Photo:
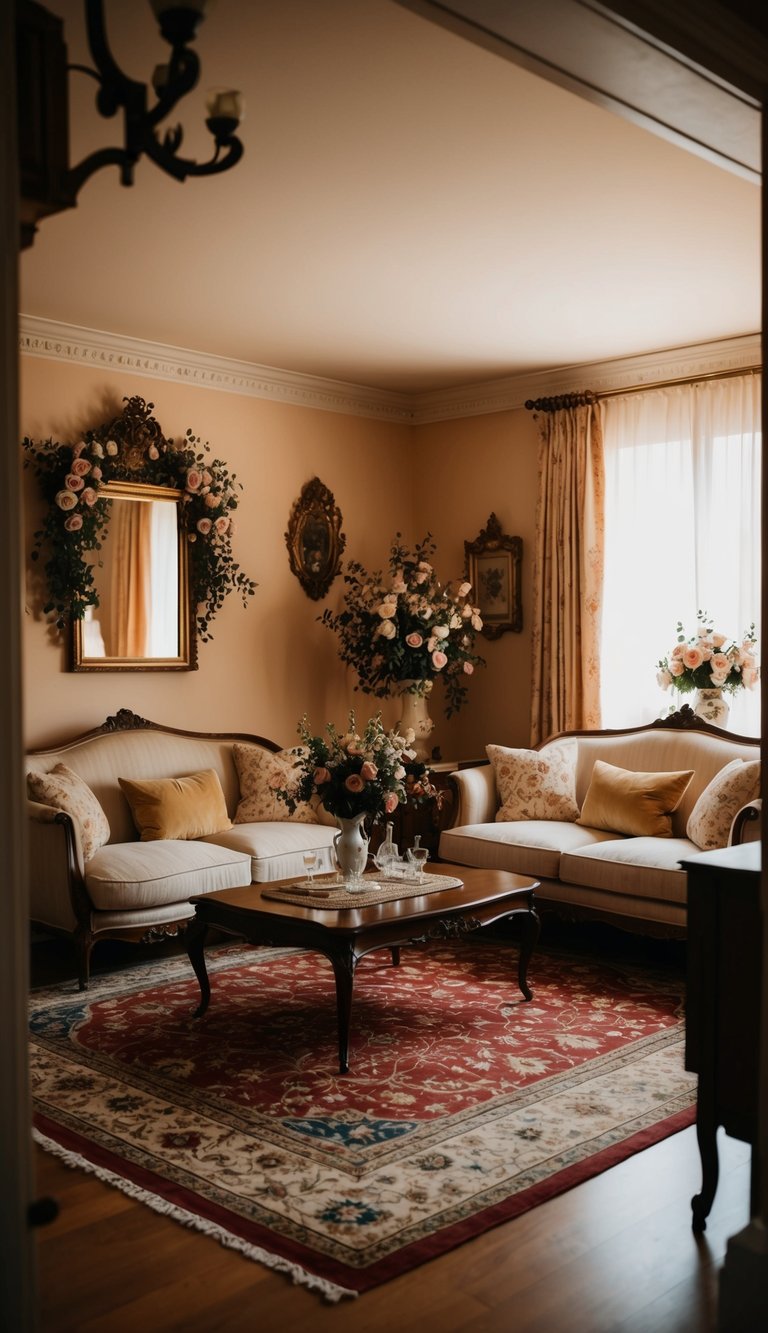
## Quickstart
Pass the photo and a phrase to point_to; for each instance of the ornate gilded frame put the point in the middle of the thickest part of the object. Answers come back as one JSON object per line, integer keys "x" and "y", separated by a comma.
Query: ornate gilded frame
{"x": 493, "y": 562}
{"x": 314, "y": 539}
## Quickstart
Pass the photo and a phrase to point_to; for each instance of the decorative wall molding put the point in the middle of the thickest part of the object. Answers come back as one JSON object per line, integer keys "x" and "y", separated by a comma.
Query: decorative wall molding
{"x": 133, "y": 356}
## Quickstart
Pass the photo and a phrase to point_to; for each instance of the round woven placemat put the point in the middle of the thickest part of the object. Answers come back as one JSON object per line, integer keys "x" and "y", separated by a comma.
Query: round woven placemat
{"x": 330, "y": 894}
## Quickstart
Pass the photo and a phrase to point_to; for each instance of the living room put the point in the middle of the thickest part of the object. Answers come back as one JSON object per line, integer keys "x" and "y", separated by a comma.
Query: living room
{"x": 434, "y": 451}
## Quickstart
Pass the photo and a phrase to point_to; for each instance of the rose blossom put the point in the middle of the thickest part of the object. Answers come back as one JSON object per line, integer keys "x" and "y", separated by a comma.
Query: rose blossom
{"x": 152, "y": 452}
{"x": 96, "y": 474}
{"x": 369, "y": 771}
{"x": 399, "y": 773}
{"x": 212, "y": 501}
{"x": 432, "y": 644}
{"x": 97, "y": 450}
{"x": 440, "y": 631}
{"x": 414, "y": 640}
{"x": 387, "y": 629}
{"x": 320, "y": 776}
{"x": 221, "y": 524}
{"x": 73, "y": 483}
{"x": 439, "y": 660}
{"x": 391, "y": 802}
{"x": 387, "y": 610}
{"x": 66, "y": 499}
{"x": 73, "y": 522}
{"x": 89, "y": 496}
{"x": 455, "y": 621}
{"x": 693, "y": 658}
{"x": 111, "y": 448}
{"x": 398, "y": 585}
{"x": 420, "y": 577}
{"x": 194, "y": 479}
{"x": 466, "y": 611}
{"x": 678, "y": 650}
{"x": 204, "y": 525}
{"x": 720, "y": 664}
{"x": 718, "y": 640}
{"x": 207, "y": 478}
{"x": 424, "y": 564}
{"x": 354, "y": 782}
{"x": 77, "y": 449}
{"x": 718, "y": 679}
{"x": 81, "y": 467}
{"x": 468, "y": 668}
{"x": 664, "y": 679}
{"x": 676, "y": 667}
{"x": 750, "y": 677}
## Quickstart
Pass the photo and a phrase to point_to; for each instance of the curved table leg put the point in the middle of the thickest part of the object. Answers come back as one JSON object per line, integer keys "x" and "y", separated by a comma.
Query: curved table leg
{"x": 344, "y": 963}
{"x": 531, "y": 929}
{"x": 706, "y": 1134}
{"x": 194, "y": 942}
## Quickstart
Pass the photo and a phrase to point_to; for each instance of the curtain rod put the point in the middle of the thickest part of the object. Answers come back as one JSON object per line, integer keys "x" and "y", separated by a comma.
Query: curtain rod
{"x": 562, "y": 400}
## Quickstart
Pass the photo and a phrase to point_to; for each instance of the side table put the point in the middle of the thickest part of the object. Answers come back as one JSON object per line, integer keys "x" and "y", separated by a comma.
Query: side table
{"x": 428, "y": 818}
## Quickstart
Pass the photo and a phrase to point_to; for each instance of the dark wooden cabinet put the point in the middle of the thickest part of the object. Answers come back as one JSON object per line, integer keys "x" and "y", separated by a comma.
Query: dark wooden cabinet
{"x": 722, "y": 1033}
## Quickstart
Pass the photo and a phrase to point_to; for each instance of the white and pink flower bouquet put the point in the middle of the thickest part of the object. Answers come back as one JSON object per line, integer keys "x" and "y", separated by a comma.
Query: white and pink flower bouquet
{"x": 356, "y": 772}
{"x": 708, "y": 660}
{"x": 132, "y": 447}
{"x": 404, "y": 625}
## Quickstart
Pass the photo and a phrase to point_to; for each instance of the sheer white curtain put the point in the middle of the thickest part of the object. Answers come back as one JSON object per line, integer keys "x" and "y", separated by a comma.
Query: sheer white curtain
{"x": 682, "y": 534}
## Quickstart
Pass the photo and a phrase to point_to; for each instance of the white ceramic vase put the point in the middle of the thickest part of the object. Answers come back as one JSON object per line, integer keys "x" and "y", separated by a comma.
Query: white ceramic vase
{"x": 414, "y": 714}
{"x": 351, "y": 847}
{"x": 711, "y": 706}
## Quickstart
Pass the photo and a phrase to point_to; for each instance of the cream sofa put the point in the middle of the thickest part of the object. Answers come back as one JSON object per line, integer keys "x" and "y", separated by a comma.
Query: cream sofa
{"x": 137, "y": 890}
{"x": 634, "y": 881}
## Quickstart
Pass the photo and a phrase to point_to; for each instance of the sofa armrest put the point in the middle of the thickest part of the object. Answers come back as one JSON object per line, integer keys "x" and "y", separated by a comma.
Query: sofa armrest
{"x": 477, "y": 801}
{"x": 57, "y": 894}
{"x": 746, "y": 826}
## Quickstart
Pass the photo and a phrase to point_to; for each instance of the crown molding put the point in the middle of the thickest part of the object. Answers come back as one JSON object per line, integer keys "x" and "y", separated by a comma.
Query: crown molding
{"x": 134, "y": 356}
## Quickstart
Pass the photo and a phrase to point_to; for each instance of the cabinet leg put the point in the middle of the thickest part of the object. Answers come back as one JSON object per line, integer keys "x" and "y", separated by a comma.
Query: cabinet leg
{"x": 706, "y": 1134}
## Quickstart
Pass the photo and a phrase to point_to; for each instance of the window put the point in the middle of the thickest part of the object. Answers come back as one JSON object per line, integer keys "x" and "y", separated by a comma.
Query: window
{"x": 682, "y": 535}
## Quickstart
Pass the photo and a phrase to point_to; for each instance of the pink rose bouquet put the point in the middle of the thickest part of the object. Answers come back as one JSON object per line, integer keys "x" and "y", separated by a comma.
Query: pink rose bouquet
{"x": 406, "y": 626}
{"x": 708, "y": 661}
{"x": 356, "y": 772}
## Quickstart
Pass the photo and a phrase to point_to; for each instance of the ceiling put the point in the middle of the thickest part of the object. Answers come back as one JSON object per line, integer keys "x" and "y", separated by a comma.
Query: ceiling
{"x": 412, "y": 212}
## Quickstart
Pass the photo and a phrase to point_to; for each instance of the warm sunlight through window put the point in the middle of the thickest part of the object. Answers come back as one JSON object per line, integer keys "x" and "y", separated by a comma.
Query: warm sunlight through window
{"x": 682, "y": 535}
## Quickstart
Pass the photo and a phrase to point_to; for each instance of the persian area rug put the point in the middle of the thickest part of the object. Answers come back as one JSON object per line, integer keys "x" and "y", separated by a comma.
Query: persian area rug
{"x": 464, "y": 1106}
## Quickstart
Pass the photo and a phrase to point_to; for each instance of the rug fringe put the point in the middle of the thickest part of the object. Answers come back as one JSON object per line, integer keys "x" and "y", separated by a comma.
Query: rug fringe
{"x": 298, "y": 1275}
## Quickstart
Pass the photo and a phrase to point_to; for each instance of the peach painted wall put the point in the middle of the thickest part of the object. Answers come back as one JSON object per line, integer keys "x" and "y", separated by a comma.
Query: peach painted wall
{"x": 462, "y": 471}
{"x": 271, "y": 661}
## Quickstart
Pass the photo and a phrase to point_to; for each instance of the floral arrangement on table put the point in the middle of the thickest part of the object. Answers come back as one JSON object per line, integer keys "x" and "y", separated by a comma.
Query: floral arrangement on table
{"x": 132, "y": 448}
{"x": 356, "y": 772}
{"x": 708, "y": 661}
{"x": 406, "y": 626}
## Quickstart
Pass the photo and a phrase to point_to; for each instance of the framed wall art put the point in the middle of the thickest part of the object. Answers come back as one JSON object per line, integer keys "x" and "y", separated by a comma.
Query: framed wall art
{"x": 314, "y": 539}
{"x": 493, "y": 568}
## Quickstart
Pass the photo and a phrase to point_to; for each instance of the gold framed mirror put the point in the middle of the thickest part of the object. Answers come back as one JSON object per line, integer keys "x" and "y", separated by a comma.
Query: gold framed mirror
{"x": 140, "y": 573}
{"x": 314, "y": 539}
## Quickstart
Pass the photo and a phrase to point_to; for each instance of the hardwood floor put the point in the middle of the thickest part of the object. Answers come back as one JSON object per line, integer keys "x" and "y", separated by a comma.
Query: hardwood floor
{"x": 615, "y": 1255}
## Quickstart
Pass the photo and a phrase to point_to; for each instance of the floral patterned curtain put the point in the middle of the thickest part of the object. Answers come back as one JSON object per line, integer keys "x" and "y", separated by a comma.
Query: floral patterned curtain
{"x": 568, "y": 570}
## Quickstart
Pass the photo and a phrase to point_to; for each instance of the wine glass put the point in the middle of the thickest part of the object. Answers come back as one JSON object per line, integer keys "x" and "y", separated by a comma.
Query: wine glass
{"x": 310, "y": 861}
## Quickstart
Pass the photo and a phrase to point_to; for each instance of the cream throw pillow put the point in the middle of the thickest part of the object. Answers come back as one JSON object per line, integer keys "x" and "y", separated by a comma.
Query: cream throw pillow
{"x": 260, "y": 772}
{"x": 62, "y": 788}
{"x": 709, "y": 823}
{"x": 536, "y": 784}
{"x": 189, "y": 807}
{"x": 638, "y": 804}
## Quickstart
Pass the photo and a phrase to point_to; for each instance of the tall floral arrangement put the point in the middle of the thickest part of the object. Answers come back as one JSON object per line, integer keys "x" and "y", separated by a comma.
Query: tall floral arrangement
{"x": 708, "y": 660}
{"x": 404, "y": 625}
{"x": 133, "y": 448}
{"x": 355, "y": 772}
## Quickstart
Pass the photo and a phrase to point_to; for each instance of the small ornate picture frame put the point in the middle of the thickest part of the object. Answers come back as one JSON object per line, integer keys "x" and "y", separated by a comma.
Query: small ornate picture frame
{"x": 314, "y": 539}
{"x": 493, "y": 568}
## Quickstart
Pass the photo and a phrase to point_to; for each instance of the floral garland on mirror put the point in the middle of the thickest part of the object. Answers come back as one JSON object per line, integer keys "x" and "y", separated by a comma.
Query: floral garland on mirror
{"x": 132, "y": 447}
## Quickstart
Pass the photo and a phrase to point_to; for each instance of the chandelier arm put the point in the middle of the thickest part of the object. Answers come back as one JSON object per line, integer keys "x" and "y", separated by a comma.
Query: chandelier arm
{"x": 75, "y": 178}
{"x": 181, "y": 167}
{"x": 183, "y": 74}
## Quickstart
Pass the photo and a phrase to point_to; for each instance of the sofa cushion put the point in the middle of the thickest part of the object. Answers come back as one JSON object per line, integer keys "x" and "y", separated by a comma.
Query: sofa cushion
{"x": 138, "y": 875}
{"x": 638, "y": 804}
{"x": 709, "y": 824}
{"x": 261, "y": 772}
{"x": 187, "y": 807}
{"x": 526, "y": 847}
{"x": 66, "y": 791}
{"x": 645, "y": 867}
{"x": 536, "y": 784}
{"x": 276, "y": 847}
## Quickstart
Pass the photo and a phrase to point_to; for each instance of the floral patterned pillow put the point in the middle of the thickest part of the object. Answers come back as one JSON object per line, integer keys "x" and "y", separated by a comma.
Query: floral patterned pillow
{"x": 260, "y": 772}
{"x": 709, "y": 823}
{"x": 536, "y": 784}
{"x": 66, "y": 791}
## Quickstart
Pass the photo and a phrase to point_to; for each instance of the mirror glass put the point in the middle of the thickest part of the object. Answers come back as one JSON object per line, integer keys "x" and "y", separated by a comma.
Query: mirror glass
{"x": 142, "y": 622}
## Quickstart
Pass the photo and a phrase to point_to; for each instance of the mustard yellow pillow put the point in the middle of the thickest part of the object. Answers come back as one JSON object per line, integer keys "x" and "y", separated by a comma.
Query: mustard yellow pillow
{"x": 639, "y": 804}
{"x": 188, "y": 807}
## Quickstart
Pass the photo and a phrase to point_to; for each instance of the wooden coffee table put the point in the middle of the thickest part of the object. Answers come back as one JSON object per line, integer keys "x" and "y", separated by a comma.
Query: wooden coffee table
{"x": 345, "y": 935}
